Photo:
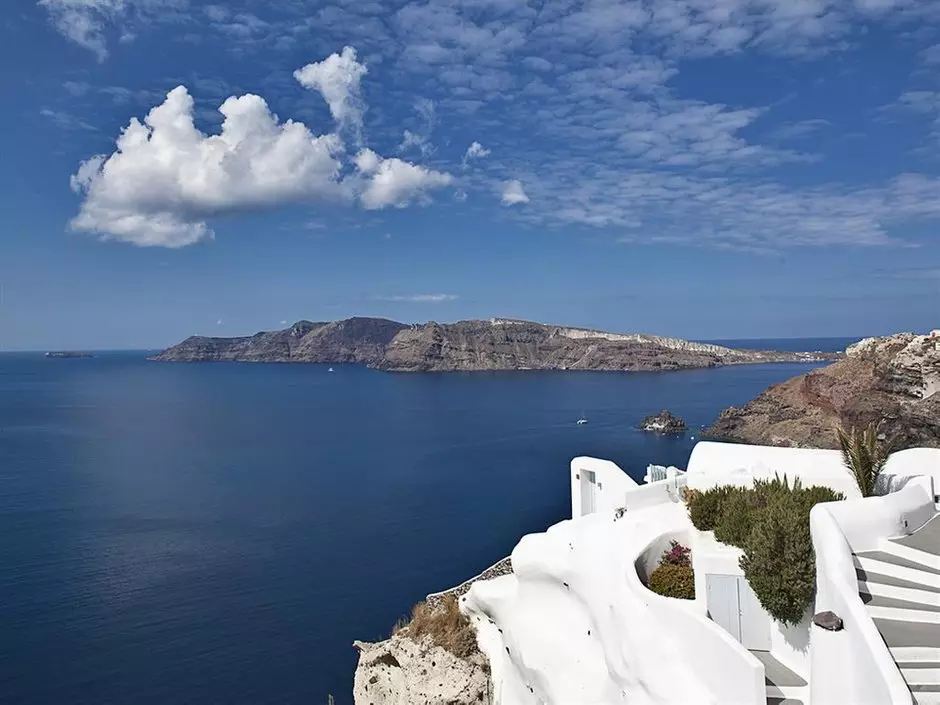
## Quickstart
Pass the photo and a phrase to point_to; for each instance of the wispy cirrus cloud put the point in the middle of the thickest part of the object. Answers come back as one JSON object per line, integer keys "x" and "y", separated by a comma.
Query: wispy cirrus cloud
{"x": 419, "y": 298}
{"x": 582, "y": 103}
{"x": 801, "y": 129}
{"x": 67, "y": 121}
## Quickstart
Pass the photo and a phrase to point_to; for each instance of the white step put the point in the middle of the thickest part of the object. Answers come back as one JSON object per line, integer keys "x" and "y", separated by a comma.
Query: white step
{"x": 932, "y": 698}
{"x": 872, "y": 565}
{"x": 898, "y": 614}
{"x": 912, "y": 554}
{"x": 915, "y": 654}
{"x": 922, "y": 676}
{"x": 876, "y": 589}
{"x": 789, "y": 692}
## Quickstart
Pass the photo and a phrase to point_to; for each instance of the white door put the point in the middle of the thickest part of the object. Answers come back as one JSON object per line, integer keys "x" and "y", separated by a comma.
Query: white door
{"x": 733, "y": 605}
{"x": 588, "y": 483}
{"x": 721, "y": 594}
{"x": 755, "y": 622}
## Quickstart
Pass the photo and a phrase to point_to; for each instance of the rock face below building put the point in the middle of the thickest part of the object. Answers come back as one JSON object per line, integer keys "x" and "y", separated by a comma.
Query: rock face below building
{"x": 497, "y": 344}
{"x": 663, "y": 422}
{"x": 895, "y": 378}
{"x": 401, "y": 671}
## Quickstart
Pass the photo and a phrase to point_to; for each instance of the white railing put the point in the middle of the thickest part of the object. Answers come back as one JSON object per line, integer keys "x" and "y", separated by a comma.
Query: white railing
{"x": 655, "y": 473}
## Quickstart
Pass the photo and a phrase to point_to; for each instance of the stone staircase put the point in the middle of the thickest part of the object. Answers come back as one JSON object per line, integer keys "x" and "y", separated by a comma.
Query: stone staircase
{"x": 900, "y": 585}
{"x": 784, "y": 687}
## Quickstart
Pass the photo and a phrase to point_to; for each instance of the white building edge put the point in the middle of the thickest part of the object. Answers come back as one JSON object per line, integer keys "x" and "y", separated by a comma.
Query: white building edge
{"x": 575, "y": 625}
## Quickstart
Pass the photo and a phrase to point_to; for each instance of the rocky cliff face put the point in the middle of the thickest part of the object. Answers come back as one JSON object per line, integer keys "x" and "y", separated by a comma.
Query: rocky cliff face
{"x": 404, "y": 671}
{"x": 895, "y": 378}
{"x": 470, "y": 346}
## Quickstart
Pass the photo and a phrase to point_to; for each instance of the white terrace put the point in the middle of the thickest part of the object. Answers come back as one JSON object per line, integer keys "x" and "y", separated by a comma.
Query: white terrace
{"x": 575, "y": 625}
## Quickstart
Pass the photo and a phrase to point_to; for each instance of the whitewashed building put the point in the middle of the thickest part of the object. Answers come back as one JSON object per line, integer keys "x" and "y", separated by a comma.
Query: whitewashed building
{"x": 575, "y": 624}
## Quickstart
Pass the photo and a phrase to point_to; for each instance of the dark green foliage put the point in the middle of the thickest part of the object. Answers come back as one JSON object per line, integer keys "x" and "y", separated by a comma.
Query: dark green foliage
{"x": 673, "y": 581}
{"x": 770, "y": 523}
{"x": 705, "y": 507}
{"x": 778, "y": 559}
{"x": 811, "y": 496}
{"x": 739, "y": 512}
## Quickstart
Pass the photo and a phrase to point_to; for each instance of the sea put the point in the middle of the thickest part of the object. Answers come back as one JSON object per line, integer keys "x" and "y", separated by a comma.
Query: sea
{"x": 222, "y": 532}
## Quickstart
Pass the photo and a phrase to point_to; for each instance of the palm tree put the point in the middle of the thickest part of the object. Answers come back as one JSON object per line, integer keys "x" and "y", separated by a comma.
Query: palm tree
{"x": 864, "y": 454}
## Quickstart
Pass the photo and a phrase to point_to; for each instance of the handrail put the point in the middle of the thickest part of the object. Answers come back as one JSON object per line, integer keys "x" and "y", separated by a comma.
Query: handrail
{"x": 852, "y": 665}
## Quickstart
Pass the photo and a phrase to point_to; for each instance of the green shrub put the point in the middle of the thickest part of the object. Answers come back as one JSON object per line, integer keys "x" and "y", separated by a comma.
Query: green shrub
{"x": 673, "y": 581}
{"x": 778, "y": 559}
{"x": 770, "y": 523}
{"x": 738, "y": 514}
{"x": 768, "y": 490}
{"x": 705, "y": 507}
{"x": 811, "y": 496}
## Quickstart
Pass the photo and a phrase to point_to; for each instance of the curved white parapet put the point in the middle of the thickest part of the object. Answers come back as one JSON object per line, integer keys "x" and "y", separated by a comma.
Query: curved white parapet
{"x": 854, "y": 665}
{"x": 573, "y": 625}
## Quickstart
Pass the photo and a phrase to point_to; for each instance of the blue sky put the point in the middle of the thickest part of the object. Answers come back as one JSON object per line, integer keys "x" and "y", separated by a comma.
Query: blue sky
{"x": 698, "y": 168}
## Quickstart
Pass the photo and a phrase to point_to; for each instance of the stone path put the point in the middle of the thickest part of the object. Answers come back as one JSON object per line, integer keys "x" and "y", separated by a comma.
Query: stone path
{"x": 503, "y": 567}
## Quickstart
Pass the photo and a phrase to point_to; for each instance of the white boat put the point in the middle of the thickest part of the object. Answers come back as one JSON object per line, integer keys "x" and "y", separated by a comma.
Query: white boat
{"x": 330, "y": 370}
{"x": 582, "y": 421}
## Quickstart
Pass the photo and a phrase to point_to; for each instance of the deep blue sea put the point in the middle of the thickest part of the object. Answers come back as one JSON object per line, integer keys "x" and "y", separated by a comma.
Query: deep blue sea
{"x": 221, "y": 533}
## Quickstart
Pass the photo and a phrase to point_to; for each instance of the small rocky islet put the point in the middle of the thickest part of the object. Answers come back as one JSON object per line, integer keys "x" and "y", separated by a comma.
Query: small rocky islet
{"x": 664, "y": 422}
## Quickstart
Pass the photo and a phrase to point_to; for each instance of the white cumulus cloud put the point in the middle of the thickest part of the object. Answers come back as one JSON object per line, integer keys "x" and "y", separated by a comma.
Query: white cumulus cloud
{"x": 513, "y": 193}
{"x": 166, "y": 177}
{"x": 337, "y": 78}
{"x": 475, "y": 151}
{"x": 393, "y": 182}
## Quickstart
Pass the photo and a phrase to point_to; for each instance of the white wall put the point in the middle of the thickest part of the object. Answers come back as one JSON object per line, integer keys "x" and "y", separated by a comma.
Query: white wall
{"x": 854, "y": 665}
{"x": 573, "y": 624}
{"x": 713, "y": 464}
{"x": 611, "y": 487}
{"x": 729, "y": 670}
{"x": 790, "y": 645}
{"x": 913, "y": 462}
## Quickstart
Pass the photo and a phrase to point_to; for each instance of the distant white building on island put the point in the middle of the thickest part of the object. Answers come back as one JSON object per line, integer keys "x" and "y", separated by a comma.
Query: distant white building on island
{"x": 575, "y": 624}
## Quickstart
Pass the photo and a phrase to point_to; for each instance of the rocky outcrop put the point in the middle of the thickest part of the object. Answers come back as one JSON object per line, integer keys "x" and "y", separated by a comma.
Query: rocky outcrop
{"x": 497, "y": 344}
{"x": 894, "y": 378}
{"x": 663, "y": 422}
{"x": 403, "y": 671}
{"x": 408, "y": 670}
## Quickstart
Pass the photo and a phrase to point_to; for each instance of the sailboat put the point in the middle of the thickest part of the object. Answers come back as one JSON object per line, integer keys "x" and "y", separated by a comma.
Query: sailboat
{"x": 582, "y": 419}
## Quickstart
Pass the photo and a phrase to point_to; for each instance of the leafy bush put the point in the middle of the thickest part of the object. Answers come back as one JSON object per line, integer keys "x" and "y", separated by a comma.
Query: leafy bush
{"x": 739, "y": 512}
{"x": 770, "y": 523}
{"x": 673, "y": 581}
{"x": 705, "y": 507}
{"x": 865, "y": 455}
{"x": 778, "y": 559}
{"x": 677, "y": 554}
